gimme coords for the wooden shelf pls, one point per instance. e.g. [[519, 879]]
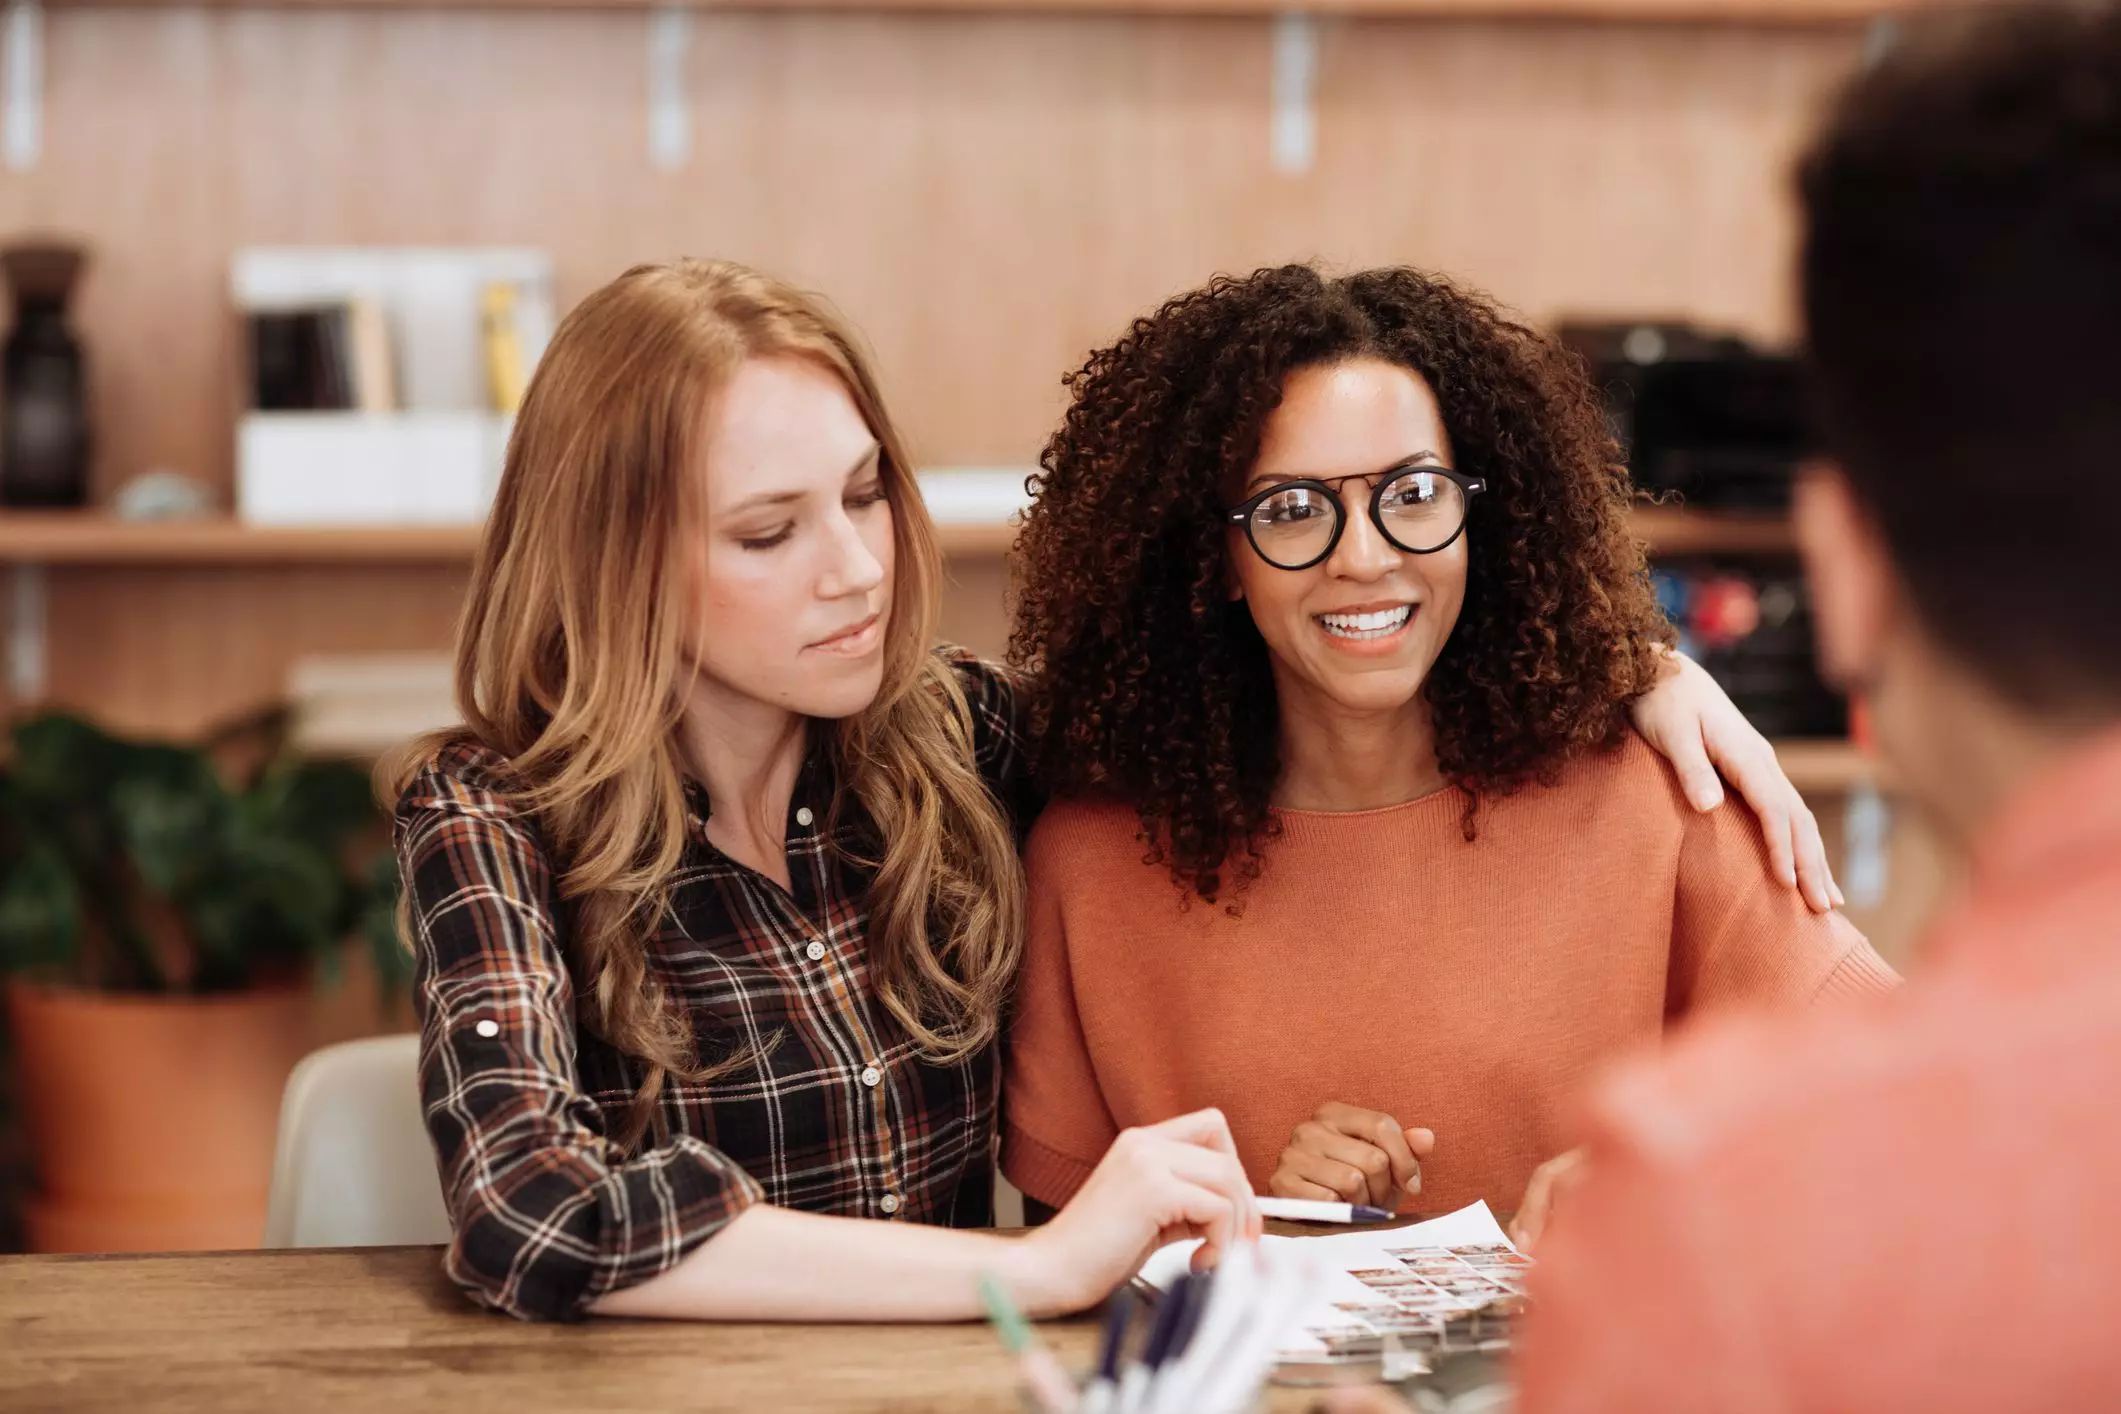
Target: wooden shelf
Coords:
[[991, 538], [1673, 531], [87, 538], [1743, 12], [1826, 767]]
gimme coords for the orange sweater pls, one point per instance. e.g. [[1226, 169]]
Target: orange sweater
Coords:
[[1383, 960]]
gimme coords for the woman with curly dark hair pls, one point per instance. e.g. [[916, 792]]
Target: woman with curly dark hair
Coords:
[[1339, 622]]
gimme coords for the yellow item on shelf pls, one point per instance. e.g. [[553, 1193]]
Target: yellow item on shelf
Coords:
[[504, 347]]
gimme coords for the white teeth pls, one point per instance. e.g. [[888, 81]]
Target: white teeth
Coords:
[[1371, 625]]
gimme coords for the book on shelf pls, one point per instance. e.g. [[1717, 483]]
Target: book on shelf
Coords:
[[329, 357], [374, 366]]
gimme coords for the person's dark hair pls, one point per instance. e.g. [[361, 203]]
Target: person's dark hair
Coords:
[[1155, 688], [1962, 296]]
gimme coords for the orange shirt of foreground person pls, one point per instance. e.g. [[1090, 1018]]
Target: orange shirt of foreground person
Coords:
[[1916, 1204]]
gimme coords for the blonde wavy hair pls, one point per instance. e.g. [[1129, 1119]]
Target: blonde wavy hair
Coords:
[[570, 664]]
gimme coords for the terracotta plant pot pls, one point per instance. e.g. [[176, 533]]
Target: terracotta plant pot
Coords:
[[150, 1119]]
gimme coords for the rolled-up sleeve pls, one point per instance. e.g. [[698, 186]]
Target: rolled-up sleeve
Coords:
[[548, 1214]]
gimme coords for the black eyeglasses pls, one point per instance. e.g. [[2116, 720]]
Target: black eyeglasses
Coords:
[[1296, 524]]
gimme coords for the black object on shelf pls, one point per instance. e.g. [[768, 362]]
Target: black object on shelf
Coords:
[[1704, 415], [299, 360], [44, 436]]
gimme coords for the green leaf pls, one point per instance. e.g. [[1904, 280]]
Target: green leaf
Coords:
[[171, 829], [281, 872], [379, 926], [321, 802], [40, 911], [58, 755]]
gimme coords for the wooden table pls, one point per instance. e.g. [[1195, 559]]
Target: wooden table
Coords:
[[379, 1328]]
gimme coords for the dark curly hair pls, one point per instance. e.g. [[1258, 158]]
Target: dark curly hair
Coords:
[[1155, 688]]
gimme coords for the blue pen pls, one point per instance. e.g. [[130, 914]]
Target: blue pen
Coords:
[[1104, 1382], [1200, 1286], [1134, 1385], [1188, 1320]]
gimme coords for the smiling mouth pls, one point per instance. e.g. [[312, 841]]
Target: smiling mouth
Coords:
[[1380, 623]]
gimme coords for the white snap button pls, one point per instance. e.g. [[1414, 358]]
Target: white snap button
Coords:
[[488, 1029], [803, 816], [890, 1203], [872, 1077], [815, 952]]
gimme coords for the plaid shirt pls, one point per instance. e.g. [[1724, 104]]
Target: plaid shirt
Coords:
[[841, 1115]]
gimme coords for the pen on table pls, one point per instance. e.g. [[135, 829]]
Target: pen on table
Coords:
[[1187, 1321], [1306, 1210], [1104, 1381], [1048, 1382], [1286, 1287], [1198, 1343], [1134, 1385]]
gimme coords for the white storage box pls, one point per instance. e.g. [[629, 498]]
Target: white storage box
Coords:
[[406, 468], [968, 495], [436, 459]]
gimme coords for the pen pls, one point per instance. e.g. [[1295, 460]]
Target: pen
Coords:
[[1187, 1321], [1306, 1210], [1048, 1382], [1287, 1283], [1134, 1387], [1206, 1328], [1104, 1381]]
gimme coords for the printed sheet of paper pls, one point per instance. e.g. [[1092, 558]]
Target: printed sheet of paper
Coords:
[[1453, 1281]]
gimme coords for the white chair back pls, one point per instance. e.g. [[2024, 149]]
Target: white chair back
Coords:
[[354, 1167]]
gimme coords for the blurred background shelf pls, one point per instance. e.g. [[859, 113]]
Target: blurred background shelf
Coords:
[[86, 538], [68, 538], [1742, 12], [90, 538], [1823, 767], [1671, 530]]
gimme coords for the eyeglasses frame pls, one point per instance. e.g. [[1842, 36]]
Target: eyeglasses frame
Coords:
[[1241, 514]]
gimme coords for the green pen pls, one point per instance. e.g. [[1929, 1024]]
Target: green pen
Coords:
[[1048, 1382]]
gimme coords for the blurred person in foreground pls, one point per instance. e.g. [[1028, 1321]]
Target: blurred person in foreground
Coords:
[[1915, 1206]]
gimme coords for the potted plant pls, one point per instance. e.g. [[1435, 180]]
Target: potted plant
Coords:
[[160, 918]]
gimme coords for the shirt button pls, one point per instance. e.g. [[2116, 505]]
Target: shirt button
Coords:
[[890, 1203], [803, 816], [815, 952], [488, 1029], [872, 1077]]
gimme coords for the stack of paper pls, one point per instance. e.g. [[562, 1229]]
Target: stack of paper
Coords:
[[1449, 1282]]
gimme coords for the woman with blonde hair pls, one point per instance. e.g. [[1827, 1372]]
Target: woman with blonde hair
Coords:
[[715, 896]]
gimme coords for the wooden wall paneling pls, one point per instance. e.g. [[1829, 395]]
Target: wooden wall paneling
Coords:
[[1612, 170], [987, 195], [179, 651], [976, 604]]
